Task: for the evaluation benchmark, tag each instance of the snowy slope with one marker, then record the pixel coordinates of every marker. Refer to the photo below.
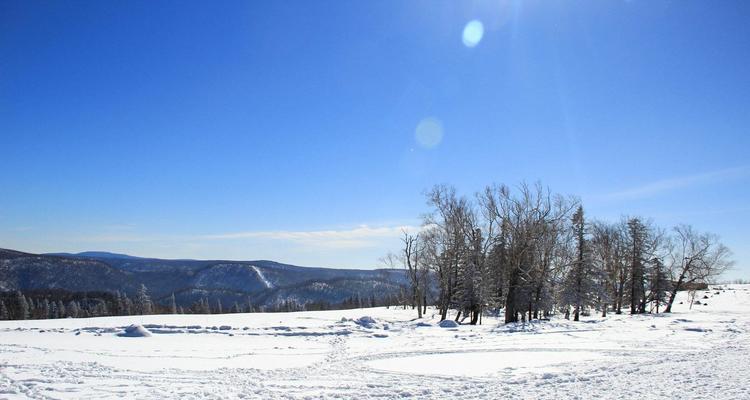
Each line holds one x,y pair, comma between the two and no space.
690,354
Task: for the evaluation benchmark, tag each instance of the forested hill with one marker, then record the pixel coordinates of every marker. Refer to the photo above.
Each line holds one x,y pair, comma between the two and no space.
261,283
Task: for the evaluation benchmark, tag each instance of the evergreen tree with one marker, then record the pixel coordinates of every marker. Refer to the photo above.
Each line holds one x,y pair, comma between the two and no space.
30,307
119,304
638,236
172,304
4,314
73,309
22,307
100,309
143,301
61,309
580,288
659,284
46,309
127,305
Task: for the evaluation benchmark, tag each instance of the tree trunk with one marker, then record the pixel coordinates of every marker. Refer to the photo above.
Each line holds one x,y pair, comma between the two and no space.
671,300
510,299
673,294
510,307
475,315
620,295
633,300
419,305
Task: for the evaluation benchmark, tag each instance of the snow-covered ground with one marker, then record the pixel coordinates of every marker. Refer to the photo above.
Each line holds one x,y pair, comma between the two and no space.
690,354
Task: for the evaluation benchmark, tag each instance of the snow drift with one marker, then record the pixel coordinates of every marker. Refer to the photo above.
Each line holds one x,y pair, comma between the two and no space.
135,331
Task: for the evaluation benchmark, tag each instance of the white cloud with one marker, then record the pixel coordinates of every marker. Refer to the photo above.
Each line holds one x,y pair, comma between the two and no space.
667,185
361,236
358,237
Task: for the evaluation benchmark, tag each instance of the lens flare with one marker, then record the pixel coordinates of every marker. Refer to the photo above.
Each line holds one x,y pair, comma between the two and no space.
429,132
473,32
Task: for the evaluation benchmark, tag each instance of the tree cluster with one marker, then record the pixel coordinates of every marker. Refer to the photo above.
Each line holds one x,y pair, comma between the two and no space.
529,253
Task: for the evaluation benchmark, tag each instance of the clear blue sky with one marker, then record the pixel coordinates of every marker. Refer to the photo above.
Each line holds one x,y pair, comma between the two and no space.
289,130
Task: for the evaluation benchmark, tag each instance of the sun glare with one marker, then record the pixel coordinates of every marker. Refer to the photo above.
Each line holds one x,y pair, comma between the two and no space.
473,32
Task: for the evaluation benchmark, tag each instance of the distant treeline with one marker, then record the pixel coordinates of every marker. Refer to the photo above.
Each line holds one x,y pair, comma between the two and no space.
57,303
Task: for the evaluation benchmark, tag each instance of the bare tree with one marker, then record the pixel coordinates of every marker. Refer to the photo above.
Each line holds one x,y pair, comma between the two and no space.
694,258
530,253
530,222
411,260
445,241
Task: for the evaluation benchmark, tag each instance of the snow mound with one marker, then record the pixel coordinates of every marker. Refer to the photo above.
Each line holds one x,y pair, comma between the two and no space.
448,323
365,321
135,331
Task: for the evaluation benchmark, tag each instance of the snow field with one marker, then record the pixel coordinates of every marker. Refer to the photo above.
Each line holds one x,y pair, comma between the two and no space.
385,353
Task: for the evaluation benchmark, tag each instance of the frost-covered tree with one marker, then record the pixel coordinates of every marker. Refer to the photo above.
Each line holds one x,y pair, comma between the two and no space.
581,287
31,307
61,311
4,314
532,219
119,308
172,304
45,308
73,309
53,311
205,308
100,309
444,241
22,307
143,301
128,305
469,283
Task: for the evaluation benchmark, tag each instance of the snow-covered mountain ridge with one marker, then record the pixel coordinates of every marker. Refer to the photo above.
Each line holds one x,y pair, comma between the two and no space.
260,282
